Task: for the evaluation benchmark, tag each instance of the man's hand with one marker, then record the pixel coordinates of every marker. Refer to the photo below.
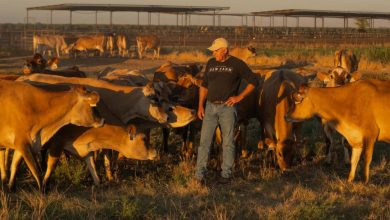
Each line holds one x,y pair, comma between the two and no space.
201,112
233,100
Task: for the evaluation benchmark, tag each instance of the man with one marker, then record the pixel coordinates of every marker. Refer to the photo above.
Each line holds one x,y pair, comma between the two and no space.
220,87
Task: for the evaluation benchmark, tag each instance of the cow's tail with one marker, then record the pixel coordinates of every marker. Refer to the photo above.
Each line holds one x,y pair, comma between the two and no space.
35,43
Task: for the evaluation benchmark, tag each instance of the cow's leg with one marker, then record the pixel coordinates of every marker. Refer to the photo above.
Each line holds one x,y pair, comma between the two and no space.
356,152
3,167
32,165
55,152
165,139
368,150
329,143
92,169
158,52
17,157
51,165
107,164
6,159
243,140
347,158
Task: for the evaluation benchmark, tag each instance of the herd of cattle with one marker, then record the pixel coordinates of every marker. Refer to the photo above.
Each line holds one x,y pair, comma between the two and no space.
52,111
101,42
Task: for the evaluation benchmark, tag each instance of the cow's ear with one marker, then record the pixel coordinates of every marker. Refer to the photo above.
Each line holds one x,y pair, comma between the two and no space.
132,131
323,76
355,76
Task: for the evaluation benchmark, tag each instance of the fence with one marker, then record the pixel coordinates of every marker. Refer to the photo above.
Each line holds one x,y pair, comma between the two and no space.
19,37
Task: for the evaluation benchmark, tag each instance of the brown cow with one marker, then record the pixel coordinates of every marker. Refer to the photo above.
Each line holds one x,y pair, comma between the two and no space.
337,77
39,64
52,42
121,43
82,142
273,105
243,53
95,42
361,119
112,97
34,115
347,60
150,41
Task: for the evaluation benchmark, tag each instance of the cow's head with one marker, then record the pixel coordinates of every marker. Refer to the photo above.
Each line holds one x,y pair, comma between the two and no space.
67,49
53,63
303,108
252,50
338,77
136,146
34,65
83,112
155,109
180,116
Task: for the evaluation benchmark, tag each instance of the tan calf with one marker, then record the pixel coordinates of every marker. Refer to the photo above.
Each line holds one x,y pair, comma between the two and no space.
82,142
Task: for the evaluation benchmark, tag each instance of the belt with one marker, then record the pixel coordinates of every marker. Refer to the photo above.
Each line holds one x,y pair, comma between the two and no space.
218,102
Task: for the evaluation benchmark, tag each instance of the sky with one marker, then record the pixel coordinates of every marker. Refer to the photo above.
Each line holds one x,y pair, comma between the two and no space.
14,11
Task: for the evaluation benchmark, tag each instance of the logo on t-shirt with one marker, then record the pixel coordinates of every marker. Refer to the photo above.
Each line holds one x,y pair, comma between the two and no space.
221,69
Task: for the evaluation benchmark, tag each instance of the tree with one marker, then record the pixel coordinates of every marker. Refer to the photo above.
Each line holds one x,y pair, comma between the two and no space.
362,24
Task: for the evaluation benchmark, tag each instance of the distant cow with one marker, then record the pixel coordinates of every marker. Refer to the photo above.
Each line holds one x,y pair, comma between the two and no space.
121,43
362,119
34,115
95,42
243,53
82,142
39,65
52,42
346,59
145,42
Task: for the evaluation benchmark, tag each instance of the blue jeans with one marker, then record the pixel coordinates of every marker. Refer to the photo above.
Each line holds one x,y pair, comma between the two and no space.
225,116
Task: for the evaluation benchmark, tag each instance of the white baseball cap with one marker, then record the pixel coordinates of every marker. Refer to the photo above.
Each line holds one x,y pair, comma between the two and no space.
218,44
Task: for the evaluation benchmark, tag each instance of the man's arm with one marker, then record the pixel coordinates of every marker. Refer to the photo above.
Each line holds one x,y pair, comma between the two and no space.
235,99
202,98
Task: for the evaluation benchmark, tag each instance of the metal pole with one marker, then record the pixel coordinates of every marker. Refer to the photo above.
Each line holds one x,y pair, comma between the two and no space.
158,17
189,19
138,18
111,20
96,12
177,19
149,18
214,19
70,17
27,17
344,23
270,21
219,20
297,22
242,20
246,20
323,22
315,22
51,17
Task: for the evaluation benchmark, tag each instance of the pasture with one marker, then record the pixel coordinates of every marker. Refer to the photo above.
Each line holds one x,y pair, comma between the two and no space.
165,188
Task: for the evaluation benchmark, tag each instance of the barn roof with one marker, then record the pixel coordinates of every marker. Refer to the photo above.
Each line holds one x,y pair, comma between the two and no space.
126,7
324,13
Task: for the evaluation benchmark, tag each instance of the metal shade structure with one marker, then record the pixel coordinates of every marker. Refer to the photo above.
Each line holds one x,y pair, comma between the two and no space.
322,14
169,9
